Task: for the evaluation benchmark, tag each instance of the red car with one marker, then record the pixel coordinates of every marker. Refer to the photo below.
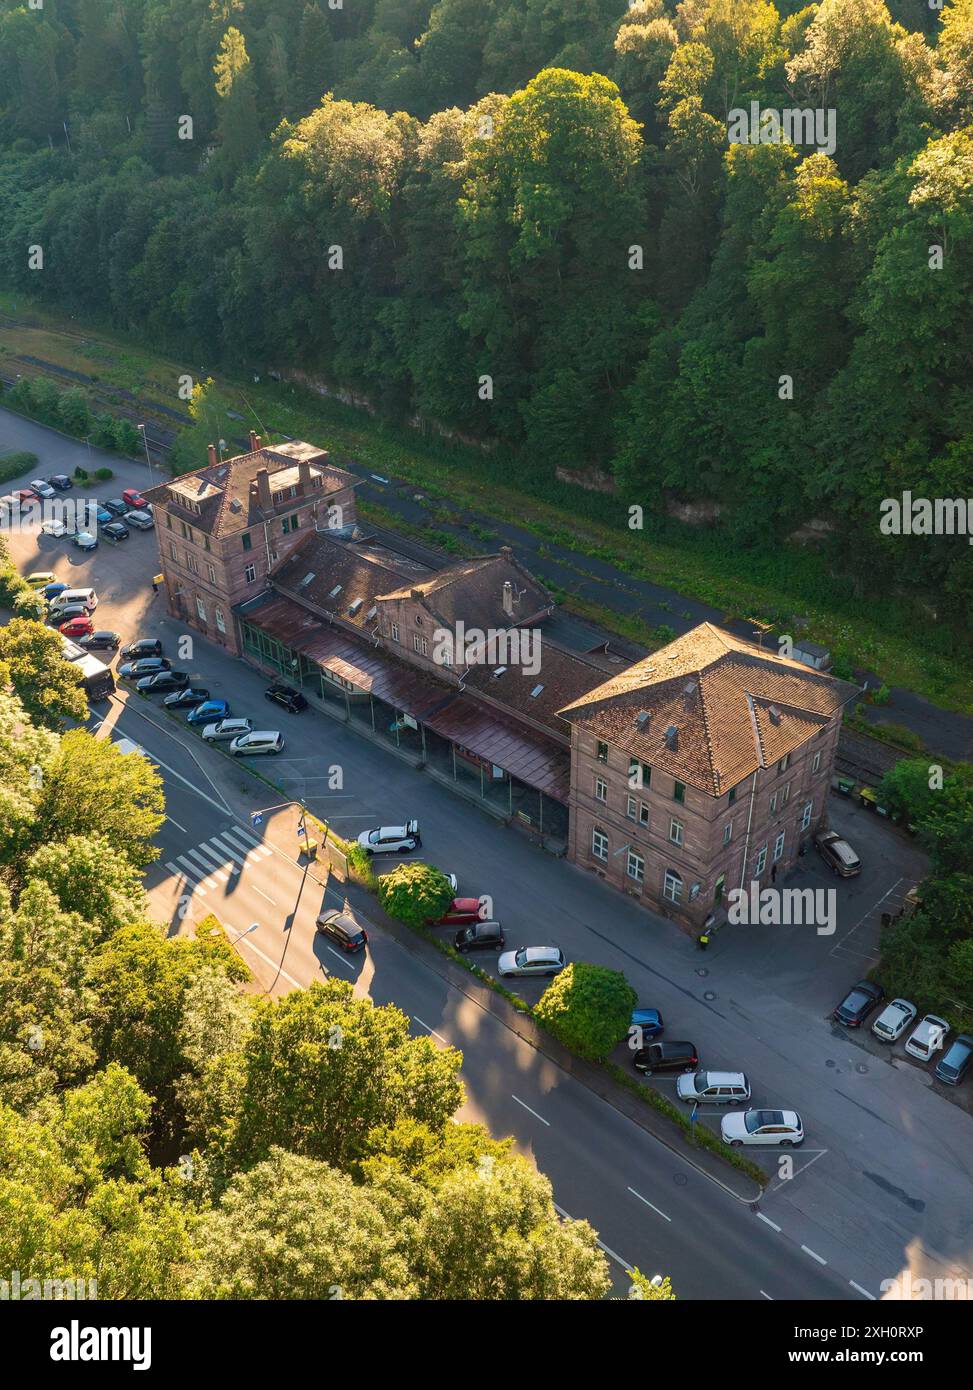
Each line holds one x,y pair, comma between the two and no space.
77,627
462,912
134,498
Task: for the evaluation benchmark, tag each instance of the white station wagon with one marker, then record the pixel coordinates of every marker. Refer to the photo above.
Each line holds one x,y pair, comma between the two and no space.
782,1127
532,960
226,728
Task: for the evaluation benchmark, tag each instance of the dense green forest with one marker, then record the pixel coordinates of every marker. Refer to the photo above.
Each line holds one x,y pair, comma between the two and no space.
407,198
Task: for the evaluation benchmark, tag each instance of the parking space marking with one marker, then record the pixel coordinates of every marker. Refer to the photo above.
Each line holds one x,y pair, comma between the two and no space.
842,948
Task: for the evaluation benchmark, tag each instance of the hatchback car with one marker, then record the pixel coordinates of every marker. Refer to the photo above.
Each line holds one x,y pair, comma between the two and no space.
55,528
837,853
40,488
51,591
259,741
84,540
532,960
116,506
142,646
224,729
391,839
858,1003
115,532
101,641
481,936
133,498
666,1056
61,482
76,627
142,521
57,616
41,579
956,1062
144,666
927,1038
291,700
645,1023
460,913
186,699
103,516
713,1087
208,711
162,680
782,1127
894,1020
340,927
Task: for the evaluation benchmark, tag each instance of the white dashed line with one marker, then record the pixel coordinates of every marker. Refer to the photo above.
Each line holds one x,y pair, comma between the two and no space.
767,1296
649,1204
863,1292
566,1216
339,955
814,1255
767,1221
529,1111
172,821
423,1024
262,894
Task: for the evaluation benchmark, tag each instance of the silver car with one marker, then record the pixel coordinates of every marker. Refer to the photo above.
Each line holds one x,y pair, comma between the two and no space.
226,728
894,1020
532,960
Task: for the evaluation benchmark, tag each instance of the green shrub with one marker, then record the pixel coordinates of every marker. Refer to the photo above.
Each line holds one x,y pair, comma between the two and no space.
74,412
588,1008
12,465
103,474
125,437
415,893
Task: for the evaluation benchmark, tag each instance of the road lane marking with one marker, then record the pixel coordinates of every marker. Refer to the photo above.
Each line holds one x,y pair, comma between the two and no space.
422,1024
766,1219
172,821
190,872
262,894
814,1255
339,955
210,857
214,876
649,1204
532,1112
767,1296
862,1291
246,842
566,1216
278,969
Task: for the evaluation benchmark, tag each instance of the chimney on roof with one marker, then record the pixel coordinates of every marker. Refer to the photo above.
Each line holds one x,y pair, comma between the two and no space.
672,738
415,593
508,598
254,441
304,475
774,715
211,450
505,550
263,490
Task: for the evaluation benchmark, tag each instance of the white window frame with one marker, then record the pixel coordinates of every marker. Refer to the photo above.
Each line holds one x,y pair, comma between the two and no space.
632,808
779,846
773,803
761,862
601,790
211,571
394,630
727,832
815,763
599,844
676,829
806,817
672,886
635,867
200,609
220,619
250,573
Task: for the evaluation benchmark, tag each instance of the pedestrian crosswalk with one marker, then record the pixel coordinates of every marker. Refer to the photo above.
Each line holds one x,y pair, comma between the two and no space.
213,862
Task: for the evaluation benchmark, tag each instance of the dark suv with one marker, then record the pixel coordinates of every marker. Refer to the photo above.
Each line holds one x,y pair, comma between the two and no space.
481,936
666,1056
341,928
291,700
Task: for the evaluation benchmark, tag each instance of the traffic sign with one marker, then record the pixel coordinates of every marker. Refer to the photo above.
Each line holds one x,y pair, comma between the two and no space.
256,818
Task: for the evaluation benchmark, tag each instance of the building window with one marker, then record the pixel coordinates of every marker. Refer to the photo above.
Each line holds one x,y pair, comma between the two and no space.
201,610
191,562
632,809
602,752
420,644
806,818
636,866
220,620
761,863
172,549
773,803
679,791
212,573
250,573
395,632
675,831
815,763
601,789
599,844
169,521
289,524
727,832
732,796
247,541
718,889
784,763
778,846
643,813
784,795
672,886
639,774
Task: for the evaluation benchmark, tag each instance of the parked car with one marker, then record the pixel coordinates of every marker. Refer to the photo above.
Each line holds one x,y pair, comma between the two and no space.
100,640
927,1038
666,1056
76,627
391,839
291,700
51,591
460,913
103,516
55,528
133,499
40,488
162,680
24,495
837,853
61,482
713,1087
144,666
340,927
226,729
116,506
87,596
782,1127
142,521
186,699
40,579
115,531
954,1065
858,1003
208,711
648,1022
532,960
142,646
894,1020
480,936
258,741
57,616
84,540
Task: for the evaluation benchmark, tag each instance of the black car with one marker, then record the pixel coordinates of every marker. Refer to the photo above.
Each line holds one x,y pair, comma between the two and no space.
116,506
340,926
61,481
481,936
69,611
99,641
143,646
115,531
144,666
163,680
858,1003
288,699
182,699
666,1056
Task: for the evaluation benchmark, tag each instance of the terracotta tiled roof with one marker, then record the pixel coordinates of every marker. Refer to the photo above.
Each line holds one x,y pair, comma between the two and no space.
472,590
733,708
563,676
360,571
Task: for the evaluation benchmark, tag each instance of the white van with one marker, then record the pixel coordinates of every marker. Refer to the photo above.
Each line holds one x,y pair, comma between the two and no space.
68,596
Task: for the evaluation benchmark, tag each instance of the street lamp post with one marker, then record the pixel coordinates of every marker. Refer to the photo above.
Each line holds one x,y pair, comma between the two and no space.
254,926
148,458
